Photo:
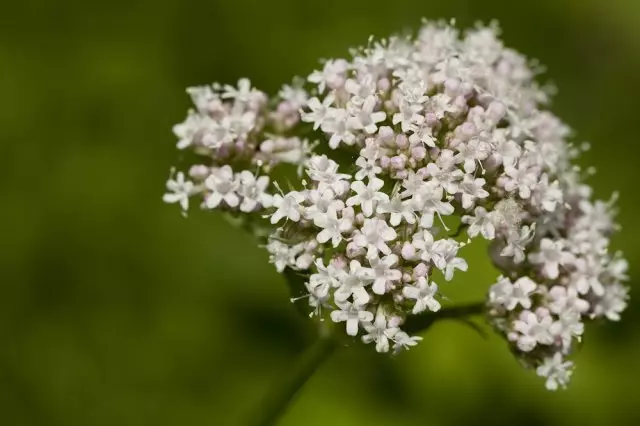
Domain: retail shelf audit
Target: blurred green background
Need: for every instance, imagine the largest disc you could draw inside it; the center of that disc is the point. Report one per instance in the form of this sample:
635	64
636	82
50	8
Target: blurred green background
115	310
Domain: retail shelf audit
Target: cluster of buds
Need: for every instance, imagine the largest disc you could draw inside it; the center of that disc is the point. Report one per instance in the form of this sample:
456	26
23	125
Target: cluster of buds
421	145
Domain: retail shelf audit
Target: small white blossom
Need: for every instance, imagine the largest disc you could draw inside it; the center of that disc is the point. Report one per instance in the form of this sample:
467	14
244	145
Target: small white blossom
511	295
333	227
556	370
380	332
367	195
551	256
423	293
353	315
384	272
532	329
480	223
223	186
288	206
180	190
374	236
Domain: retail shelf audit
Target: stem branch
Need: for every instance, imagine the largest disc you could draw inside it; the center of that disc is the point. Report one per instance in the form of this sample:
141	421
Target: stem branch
275	403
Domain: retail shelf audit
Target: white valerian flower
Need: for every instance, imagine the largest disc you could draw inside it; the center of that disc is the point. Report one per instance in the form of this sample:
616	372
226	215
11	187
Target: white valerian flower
179	191
403	341
367	195
366	118
445	257
353	315
333	227
398	210
471	189
384	273
566	299
612	303
253	191
353	282
288	206
429	202
374	236
407	133
556	370
532	329
517	242
511	295
551	256
380	332
319	111
480	223
223	186
423	293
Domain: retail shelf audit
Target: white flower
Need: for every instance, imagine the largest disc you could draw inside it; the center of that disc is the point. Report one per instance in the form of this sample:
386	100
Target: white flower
367	195
532	329
445	174
471	189
556	370
566	328
223	185
471	153
365	118
521	178
506	152
408	116
353	283
325	171
362	89
253	192
333	227
517	243
612	303
429	203
398	210
180	190
281	255
328	276
444	257
318	299
586	276
551	256
187	130
319	111
566	299
423	293
480	223
384	273
353	315
403	341
367	167
380	332
374	236
338	126
288	206
332	75
511	295
242	94
547	195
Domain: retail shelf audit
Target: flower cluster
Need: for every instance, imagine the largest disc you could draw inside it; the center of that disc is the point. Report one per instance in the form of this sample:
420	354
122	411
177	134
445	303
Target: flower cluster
423	145
241	137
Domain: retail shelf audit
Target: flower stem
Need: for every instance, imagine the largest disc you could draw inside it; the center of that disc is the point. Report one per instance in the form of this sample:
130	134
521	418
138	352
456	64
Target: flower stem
418	323
276	402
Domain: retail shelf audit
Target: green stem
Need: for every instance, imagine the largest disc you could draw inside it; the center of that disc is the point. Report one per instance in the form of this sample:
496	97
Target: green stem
276	402
417	323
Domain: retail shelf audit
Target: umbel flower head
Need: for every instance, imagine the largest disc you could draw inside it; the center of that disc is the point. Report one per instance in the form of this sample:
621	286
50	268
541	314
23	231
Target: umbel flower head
395	147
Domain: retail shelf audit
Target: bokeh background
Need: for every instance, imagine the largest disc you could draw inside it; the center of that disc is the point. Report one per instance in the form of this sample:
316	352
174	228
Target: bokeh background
115	310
